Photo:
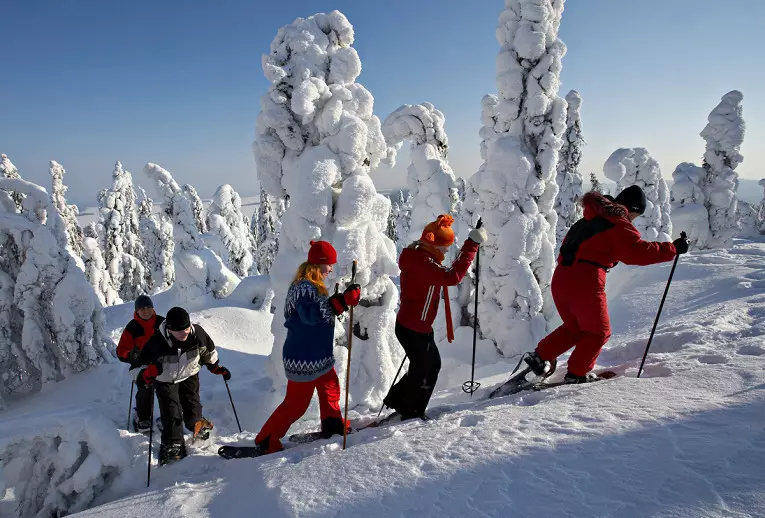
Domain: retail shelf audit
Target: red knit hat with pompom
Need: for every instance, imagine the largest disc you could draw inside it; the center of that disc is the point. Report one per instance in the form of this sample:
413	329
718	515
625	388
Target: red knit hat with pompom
322	252
439	232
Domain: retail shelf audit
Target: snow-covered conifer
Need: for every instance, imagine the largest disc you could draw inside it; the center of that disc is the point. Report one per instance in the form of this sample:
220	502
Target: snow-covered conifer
97	273
52	322
198	270
316	140
157	236
403	221
8	170
430	179
268	243
225	219
197	207
724	135
635	166
390	229
596	186
569	177
68	212
514	190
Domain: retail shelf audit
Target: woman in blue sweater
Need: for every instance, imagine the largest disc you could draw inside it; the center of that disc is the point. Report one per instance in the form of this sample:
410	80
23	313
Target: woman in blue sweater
309	316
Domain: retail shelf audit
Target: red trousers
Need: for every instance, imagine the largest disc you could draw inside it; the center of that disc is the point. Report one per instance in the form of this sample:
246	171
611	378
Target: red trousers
296	402
579	292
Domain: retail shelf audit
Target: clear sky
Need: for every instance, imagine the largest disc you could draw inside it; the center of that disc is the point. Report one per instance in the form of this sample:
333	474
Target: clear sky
89	82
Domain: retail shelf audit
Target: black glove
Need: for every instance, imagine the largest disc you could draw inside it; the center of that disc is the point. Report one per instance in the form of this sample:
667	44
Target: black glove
681	245
220	371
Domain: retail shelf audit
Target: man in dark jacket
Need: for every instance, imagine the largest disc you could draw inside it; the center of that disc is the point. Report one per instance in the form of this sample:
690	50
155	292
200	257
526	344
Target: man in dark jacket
170	363
594	245
135	335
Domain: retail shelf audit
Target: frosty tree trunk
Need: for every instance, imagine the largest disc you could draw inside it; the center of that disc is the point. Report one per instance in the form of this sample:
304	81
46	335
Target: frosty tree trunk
635	166
569	178
316	140
514	190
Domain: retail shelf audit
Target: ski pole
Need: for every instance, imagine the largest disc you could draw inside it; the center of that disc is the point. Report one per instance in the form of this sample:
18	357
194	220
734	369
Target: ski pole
232	405
348	368
151	437
130	405
394	382
471	386
656	321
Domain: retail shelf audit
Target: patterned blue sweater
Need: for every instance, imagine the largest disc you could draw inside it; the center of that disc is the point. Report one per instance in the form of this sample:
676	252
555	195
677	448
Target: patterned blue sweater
310	325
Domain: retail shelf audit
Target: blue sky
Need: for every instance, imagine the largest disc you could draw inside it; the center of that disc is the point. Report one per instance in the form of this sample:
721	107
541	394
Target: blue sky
178	83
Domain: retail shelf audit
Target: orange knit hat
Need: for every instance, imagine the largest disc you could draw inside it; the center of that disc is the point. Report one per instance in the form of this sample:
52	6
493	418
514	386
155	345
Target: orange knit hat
439	232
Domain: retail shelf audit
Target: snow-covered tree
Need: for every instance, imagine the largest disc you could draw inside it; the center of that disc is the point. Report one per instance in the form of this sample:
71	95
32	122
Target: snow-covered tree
635	166
390	229
198	270
268	243
689	213
403	221
197	207
68	212
569	178
50	318
514	190
124	253
430	179
225	219
724	135
8	170
252	224
157	236
316	140
97	273
761	209
596	186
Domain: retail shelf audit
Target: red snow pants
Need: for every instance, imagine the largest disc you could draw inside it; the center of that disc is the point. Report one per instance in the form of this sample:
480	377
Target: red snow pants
296	402
579	292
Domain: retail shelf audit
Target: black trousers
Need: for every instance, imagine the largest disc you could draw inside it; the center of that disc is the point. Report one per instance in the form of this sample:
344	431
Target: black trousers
178	405
143	402
410	396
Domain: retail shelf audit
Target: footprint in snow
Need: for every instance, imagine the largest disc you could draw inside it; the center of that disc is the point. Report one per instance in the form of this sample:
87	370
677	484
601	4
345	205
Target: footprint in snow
471	420
656	371
751	350
712	359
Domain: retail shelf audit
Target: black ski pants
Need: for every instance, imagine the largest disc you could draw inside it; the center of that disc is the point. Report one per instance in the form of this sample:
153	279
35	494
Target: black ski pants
144	399
178	405
410	396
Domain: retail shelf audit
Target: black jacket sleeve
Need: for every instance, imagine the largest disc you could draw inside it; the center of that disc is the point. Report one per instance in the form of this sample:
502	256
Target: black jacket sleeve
207	353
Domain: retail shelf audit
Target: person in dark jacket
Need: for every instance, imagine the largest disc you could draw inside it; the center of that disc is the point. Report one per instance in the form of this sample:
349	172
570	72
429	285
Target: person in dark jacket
135	335
170	363
309	316
594	245
422	279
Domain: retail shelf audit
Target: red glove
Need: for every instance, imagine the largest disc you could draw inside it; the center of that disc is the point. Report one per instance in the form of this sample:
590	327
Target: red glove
352	295
149	374
337	301
220	371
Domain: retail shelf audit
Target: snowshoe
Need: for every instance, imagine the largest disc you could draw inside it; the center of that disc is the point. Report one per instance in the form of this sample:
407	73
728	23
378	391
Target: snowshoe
142	426
587	378
170	453
243	452
202	430
539	366
569	380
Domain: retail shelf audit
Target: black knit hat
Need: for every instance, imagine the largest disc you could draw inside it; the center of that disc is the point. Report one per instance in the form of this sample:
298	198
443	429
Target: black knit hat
633	198
143	301
177	319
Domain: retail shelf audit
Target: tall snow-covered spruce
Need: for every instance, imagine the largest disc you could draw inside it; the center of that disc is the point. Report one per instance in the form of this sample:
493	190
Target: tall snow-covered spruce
68	212
267	243
635	166
724	135
569	177
9	170
50	318
198	270
514	190
225	219
197	207
157	237
316	141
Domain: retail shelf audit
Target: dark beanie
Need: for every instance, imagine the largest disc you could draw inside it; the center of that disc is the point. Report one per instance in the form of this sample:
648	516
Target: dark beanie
177	319
143	301
633	198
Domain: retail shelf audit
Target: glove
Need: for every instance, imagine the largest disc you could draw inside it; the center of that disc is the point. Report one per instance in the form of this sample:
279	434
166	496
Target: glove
133	355
148	375
337	301
681	245
352	295
220	371
478	235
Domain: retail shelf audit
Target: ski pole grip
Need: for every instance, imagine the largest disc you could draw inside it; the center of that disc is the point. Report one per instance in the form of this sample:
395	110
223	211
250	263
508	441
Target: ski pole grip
337	288
683	235
353	272
480	223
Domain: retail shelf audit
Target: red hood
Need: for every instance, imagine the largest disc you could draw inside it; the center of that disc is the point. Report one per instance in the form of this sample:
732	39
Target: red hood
596	204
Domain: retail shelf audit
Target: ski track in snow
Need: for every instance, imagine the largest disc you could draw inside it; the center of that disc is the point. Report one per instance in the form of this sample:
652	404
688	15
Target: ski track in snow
687	439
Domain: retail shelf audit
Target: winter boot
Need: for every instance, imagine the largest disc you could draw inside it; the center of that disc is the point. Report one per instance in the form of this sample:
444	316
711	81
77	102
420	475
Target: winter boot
331	426
202	429
170	453
142	426
539	366
573	378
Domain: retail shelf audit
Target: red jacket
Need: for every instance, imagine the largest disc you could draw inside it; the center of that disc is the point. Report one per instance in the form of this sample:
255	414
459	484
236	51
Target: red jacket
136	334
421	280
604	237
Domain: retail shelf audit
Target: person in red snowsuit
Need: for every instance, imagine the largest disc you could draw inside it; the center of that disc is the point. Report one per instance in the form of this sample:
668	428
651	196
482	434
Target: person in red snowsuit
135	335
422	277
594	245
309	316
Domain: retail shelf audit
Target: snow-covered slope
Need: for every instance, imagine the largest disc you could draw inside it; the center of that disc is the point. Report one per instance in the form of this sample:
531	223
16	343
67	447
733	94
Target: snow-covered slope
687	439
